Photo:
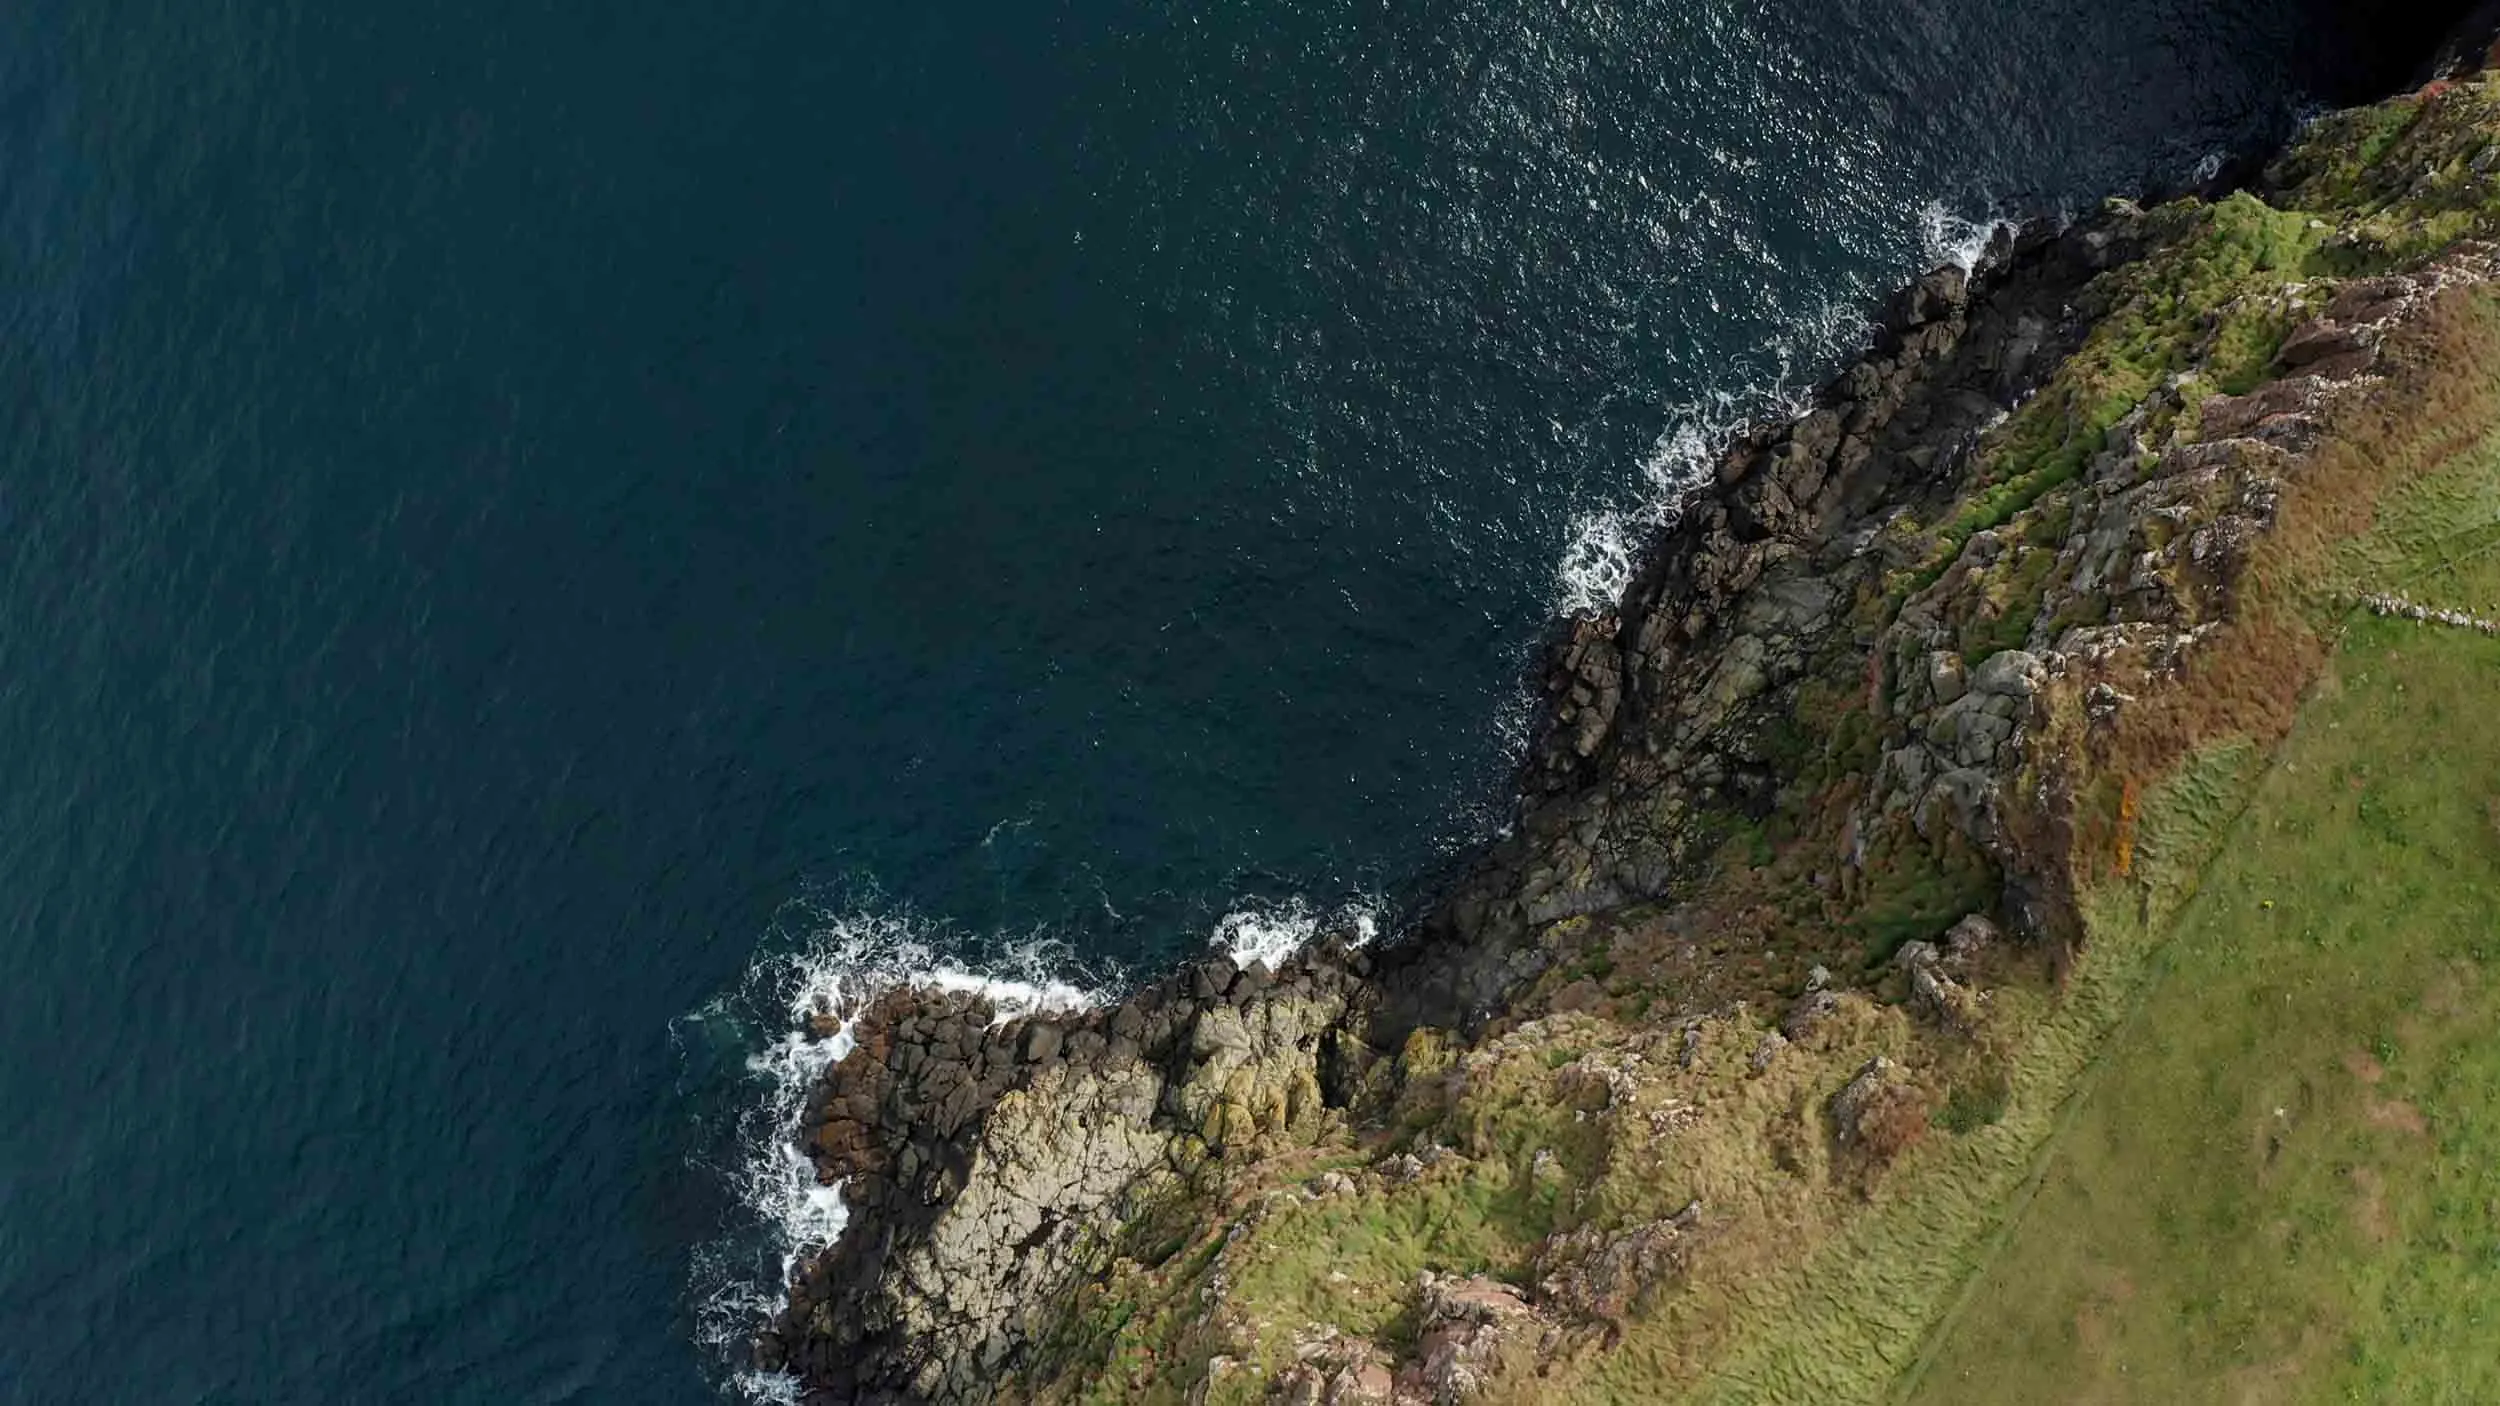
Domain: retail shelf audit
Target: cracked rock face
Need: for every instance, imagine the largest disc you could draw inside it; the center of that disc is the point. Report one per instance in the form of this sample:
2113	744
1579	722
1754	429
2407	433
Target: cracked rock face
1466	1325
2160	532
1599	1276
1056	1165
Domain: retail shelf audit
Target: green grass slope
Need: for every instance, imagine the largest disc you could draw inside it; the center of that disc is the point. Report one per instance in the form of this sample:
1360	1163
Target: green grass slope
2284	1182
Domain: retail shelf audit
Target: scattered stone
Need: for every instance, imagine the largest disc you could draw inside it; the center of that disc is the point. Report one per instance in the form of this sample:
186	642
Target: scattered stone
1939	998
1970	939
1808	1013
1601	1276
2102	701
2400	608
1465	1327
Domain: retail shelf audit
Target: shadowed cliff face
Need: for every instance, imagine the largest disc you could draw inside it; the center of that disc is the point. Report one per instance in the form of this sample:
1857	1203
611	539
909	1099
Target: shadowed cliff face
2387	43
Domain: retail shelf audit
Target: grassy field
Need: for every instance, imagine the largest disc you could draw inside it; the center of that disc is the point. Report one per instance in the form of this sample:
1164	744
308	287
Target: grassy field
2283	1183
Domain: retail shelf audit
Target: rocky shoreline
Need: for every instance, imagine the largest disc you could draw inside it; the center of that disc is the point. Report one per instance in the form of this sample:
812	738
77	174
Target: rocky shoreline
1919	634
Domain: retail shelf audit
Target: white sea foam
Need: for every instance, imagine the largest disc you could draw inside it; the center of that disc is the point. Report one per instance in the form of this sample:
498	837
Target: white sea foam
1956	239
1268	934
806	997
1604	547
1597	565
1604	551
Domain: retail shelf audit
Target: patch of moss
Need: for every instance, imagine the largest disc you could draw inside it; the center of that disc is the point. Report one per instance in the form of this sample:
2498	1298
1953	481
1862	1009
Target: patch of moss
2244	344
2164	312
1913	889
2400	181
2006	601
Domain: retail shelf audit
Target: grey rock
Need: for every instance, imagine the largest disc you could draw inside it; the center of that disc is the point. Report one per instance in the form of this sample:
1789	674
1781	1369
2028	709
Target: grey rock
1945	682
2013	672
1464	1326
1864	1092
1041	1042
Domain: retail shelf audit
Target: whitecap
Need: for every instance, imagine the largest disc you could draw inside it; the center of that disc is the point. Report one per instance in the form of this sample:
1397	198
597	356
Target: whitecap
1598	564
1603	548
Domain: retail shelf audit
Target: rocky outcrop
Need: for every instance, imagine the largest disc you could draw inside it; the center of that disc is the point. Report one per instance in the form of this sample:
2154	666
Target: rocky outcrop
1878	1113
1469	1326
990	1165
1599	1276
990	1162
1665	711
1945	587
1332	1369
1669	711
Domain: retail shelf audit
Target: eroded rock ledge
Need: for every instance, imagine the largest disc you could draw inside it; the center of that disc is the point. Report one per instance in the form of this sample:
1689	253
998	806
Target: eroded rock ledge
1920	628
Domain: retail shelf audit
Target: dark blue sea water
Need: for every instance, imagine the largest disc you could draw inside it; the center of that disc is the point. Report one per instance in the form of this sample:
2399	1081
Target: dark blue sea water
516	517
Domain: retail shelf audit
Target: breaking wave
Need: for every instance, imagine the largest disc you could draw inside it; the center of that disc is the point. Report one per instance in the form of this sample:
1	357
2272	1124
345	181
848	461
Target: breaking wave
795	1012
797	1008
1268	934
1957	240
1605	543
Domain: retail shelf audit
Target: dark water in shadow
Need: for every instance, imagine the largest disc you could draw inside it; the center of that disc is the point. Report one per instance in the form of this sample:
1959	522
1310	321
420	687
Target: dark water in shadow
504	501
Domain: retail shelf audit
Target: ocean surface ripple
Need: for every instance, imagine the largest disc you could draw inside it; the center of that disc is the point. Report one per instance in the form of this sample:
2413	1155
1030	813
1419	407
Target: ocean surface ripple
550	544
